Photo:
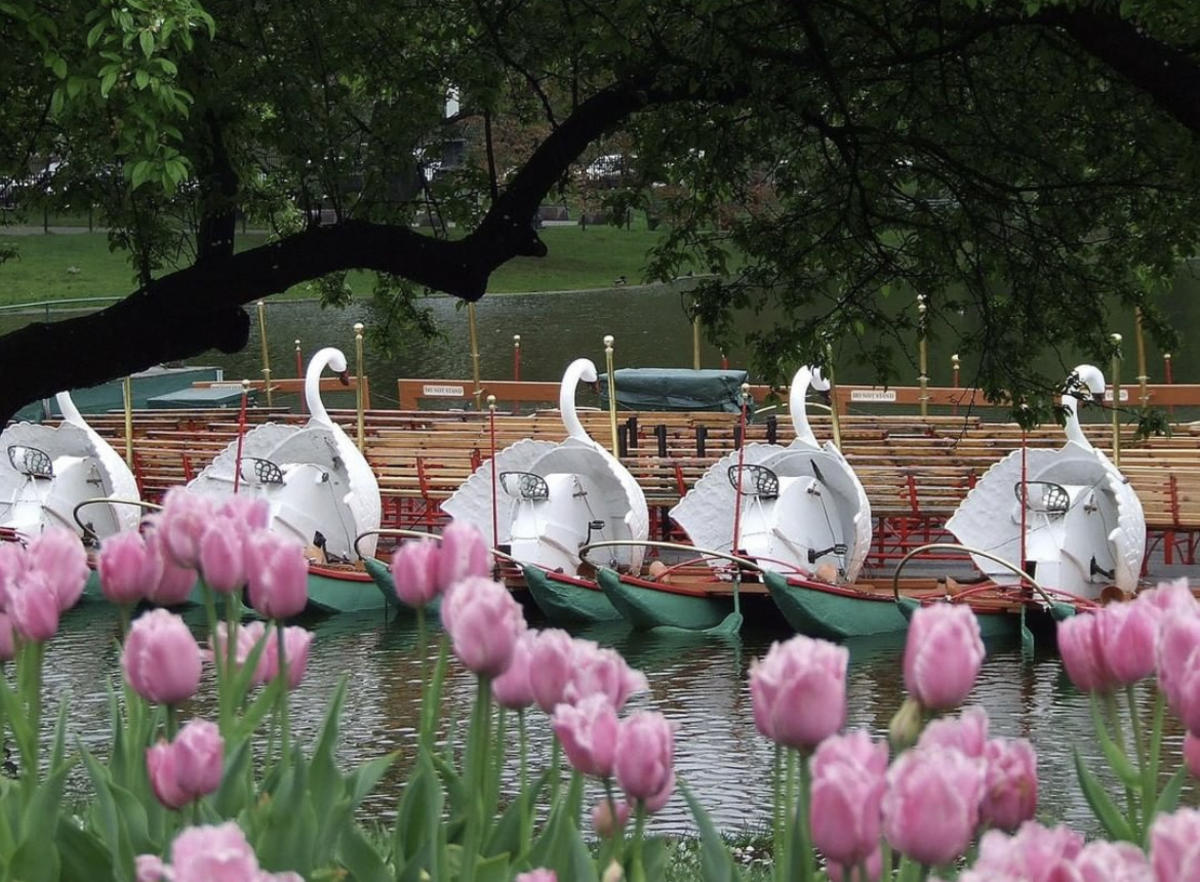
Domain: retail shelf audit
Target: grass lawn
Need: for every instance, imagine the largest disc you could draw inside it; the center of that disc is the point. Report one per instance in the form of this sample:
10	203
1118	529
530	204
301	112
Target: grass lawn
56	266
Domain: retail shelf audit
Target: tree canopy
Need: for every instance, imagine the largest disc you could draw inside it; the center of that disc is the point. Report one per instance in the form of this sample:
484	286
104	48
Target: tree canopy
1023	166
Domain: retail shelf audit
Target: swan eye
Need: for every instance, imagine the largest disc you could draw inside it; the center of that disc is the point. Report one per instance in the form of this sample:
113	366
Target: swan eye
30	461
525	485
757	481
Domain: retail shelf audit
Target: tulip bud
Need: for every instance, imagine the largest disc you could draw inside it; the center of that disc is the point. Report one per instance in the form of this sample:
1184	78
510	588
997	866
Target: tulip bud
539	875
1191	753
33	607
942	655
198	757
150	868
607	822
130	568
276	575
905	726
415	572
161	659
58	554
222	557
614	873
464	554
484	622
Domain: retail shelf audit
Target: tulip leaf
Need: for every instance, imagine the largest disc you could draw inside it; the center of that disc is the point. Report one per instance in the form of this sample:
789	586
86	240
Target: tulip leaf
35	860
360	858
323	773
419	811
545	849
456	791
108	821
1110	817
1169	798
581	867
233	793
654	857
716	864
258	709
362	780
506	833
1117	760
495	869
82	852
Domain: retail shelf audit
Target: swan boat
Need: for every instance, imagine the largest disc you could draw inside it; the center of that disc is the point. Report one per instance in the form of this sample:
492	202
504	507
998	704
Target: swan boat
797	509
541	501
320	490
1084	532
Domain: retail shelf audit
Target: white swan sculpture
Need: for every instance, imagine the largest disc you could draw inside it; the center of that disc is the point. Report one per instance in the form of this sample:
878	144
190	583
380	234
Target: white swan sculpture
802	505
1084	525
552	498
314	477
45	472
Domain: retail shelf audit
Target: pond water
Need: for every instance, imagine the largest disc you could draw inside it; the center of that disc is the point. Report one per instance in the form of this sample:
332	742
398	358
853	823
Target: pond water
699	683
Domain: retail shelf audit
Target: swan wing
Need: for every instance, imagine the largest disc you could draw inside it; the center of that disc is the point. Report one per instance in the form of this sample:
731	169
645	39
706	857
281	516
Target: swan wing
216	478
1129	536
118	479
705	512
472	501
327	445
845	480
984	518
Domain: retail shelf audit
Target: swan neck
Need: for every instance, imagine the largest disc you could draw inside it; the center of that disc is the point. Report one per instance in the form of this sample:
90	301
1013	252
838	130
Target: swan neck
799	408
312	385
1073	429
69	411
566	402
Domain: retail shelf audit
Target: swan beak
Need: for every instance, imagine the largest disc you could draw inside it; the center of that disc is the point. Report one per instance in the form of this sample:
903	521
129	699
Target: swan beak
1097	397
344	376
825	397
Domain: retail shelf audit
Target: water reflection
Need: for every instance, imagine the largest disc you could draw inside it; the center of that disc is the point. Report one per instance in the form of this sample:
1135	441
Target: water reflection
698	683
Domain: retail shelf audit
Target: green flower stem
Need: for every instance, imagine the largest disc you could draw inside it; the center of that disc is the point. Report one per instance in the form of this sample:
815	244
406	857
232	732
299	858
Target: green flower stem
1114	721
284	721
777	813
618	837
789	800
1154	753
231	627
125	614
172	721
555	770
476	775
803	838
526	806
499	745
637	871
431	697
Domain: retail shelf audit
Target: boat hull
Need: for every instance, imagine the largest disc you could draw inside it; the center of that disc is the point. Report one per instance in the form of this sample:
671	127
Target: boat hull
646	605
568	600
836	612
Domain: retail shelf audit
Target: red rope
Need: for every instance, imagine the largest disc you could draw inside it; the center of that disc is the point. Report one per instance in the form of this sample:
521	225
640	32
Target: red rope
237	465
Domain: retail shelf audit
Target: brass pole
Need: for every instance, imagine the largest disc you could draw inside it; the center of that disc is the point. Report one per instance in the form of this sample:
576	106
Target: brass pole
474	340
266	358
695	338
1116	390
923	356
612	391
517	357
358	383
835	419
954	367
300	372
1143	378
127	395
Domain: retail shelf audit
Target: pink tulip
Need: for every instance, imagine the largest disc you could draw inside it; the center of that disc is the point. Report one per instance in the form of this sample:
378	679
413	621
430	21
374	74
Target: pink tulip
799	691
967	732
942	655
874	868
588	734
1010	786
605	821
539	875
847	792
484	622
512	688
464	554
602	671
1102	861
1178	642
176	583
296	643
249	635
162	766
161	658
1033	853
415	572
279	877
58	554
1191	753
551	660
198	749
645	763
222	557
14	561
150	868
213	854
33	607
130	568
931	806
1126	634
1078	644
1175	846
277	575
1169	599
185	517
249	514
7	641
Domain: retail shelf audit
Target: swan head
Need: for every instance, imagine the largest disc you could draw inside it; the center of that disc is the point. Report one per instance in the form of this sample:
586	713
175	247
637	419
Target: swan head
1086	383
587	370
818	382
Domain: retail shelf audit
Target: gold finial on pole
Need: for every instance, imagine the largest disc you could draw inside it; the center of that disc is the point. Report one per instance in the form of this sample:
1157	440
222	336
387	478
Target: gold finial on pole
1143	379
358	384
835	419
127	396
1116	390
923	356
612	390
517	357
266	358
473	338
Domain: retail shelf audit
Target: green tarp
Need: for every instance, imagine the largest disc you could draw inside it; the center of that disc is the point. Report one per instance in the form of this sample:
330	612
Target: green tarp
109	396
675	389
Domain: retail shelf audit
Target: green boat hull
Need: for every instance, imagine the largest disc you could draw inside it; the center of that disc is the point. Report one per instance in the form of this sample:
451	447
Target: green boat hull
647	608
837	616
564	601
381	576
